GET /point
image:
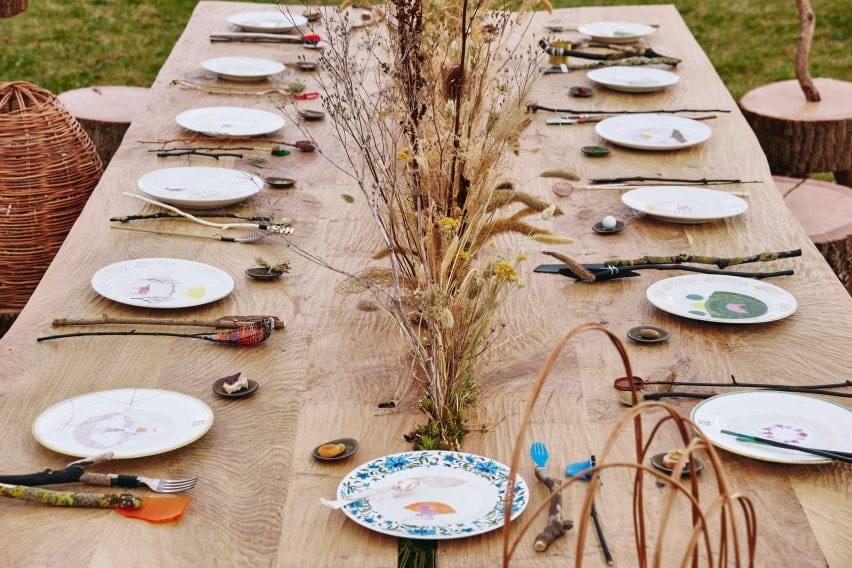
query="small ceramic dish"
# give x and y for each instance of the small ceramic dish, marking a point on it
(279, 182)
(636, 334)
(260, 273)
(351, 447)
(657, 462)
(307, 65)
(311, 114)
(595, 151)
(217, 388)
(580, 91)
(599, 228)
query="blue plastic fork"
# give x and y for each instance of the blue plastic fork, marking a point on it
(538, 453)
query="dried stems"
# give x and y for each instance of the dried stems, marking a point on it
(427, 109)
(729, 507)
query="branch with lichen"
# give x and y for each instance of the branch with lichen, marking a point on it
(700, 259)
(70, 498)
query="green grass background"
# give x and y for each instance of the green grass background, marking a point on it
(64, 44)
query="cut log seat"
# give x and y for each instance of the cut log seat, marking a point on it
(105, 113)
(801, 137)
(825, 211)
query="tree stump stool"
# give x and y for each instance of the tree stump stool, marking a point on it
(105, 113)
(9, 8)
(799, 136)
(825, 211)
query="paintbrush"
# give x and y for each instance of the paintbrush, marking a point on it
(230, 322)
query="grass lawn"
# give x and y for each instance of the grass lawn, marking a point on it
(64, 44)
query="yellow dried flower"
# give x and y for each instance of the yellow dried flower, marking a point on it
(463, 256)
(504, 271)
(448, 225)
(405, 155)
(520, 257)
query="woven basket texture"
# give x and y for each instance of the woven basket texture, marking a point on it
(48, 169)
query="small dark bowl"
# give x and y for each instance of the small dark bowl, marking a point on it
(351, 447)
(595, 151)
(217, 388)
(307, 65)
(599, 228)
(657, 462)
(580, 91)
(279, 182)
(311, 114)
(260, 273)
(635, 333)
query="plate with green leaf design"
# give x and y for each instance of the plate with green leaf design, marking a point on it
(455, 495)
(721, 299)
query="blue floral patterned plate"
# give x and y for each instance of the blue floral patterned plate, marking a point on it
(458, 495)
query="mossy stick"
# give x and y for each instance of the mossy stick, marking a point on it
(70, 498)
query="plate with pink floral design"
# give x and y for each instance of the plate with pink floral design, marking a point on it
(684, 204)
(780, 416)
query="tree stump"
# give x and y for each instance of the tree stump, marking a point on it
(798, 136)
(105, 113)
(9, 8)
(825, 211)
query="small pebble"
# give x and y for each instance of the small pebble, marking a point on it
(648, 333)
(608, 222)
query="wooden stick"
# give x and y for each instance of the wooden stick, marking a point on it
(807, 23)
(230, 322)
(555, 527)
(70, 498)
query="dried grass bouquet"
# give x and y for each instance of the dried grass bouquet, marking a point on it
(428, 105)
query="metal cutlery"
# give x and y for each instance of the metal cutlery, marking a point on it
(75, 472)
(156, 485)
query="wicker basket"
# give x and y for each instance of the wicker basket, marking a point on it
(48, 168)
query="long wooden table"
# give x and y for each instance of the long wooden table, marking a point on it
(322, 378)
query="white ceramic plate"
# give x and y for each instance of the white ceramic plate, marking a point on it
(780, 416)
(653, 131)
(267, 21)
(230, 121)
(633, 79)
(721, 299)
(684, 204)
(199, 187)
(243, 68)
(615, 32)
(162, 283)
(130, 423)
(459, 495)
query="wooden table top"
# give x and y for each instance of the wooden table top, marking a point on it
(323, 377)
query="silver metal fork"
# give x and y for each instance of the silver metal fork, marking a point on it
(154, 484)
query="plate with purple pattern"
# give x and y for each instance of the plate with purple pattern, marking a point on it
(130, 423)
(780, 416)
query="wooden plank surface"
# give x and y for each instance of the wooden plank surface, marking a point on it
(322, 378)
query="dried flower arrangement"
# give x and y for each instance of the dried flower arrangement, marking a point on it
(428, 106)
